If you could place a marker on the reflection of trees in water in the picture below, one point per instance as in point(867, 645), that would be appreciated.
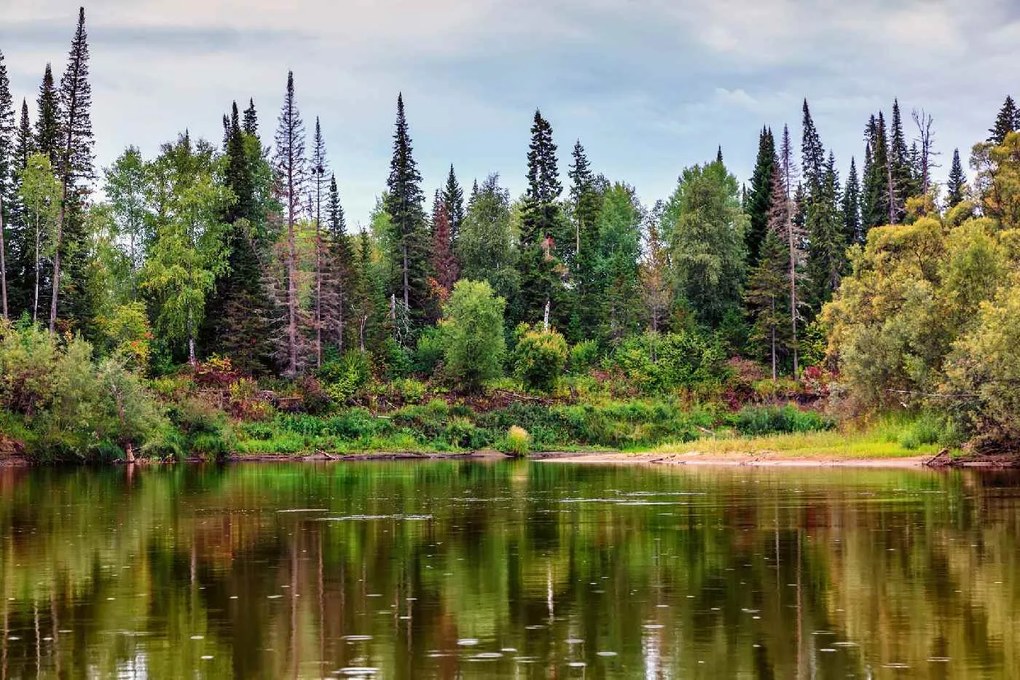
point(756, 575)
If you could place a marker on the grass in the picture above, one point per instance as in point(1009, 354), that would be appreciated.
point(888, 437)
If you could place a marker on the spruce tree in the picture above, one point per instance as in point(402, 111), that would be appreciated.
point(901, 182)
point(812, 154)
point(24, 140)
point(338, 272)
point(827, 239)
point(853, 230)
point(485, 247)
point(540, 224)
point(75, 170)
point(585, 203)
point(241, 312)
point(875, 197)
point(956, 187)
point(404, 205)
point(292, 180)
point(1007, 121)
point(251, 119)
point(783, 220)
point(7, 182)
point(47, 122)
point(453, 197)
point(759, 197)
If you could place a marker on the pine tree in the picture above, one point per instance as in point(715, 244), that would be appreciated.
point(7, 181)
point(241, 312)
point(24, 140)
point(540, 224)
point(404, 205)
point(251, 119)
point(812, 154)
point(338, 272)
point(74, 169)
point(956, 187)
point(853, 230)
point(1007, 121)
point(292, 180)
point(585, 204)
point(47, 123)
point(827, 239)
point(874, 199)
point(453, 197)
point(901, 180)
point(758, 200)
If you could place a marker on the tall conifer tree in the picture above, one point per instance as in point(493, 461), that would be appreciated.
point(902, 172)
point(853, 230)
point(291, 183)
point(453, 197)
point(7, 183)
point(47, 122)
point(404, 205)
point(585, 204)
point(75, 169)
point(540, 225)
point(956, 187)
point(1008, 120)
point(759, 197)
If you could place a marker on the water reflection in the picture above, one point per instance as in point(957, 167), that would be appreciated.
point(508, 570)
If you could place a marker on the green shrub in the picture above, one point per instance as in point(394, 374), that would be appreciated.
point(755, 421)
point(663, 363)
point(539, 359)
point(77, 408)
point(472, 334)
point(583, 357)
point(517, 441)
point(428, 352)
point(342, 378)
point(393, 361)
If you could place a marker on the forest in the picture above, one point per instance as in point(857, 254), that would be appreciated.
point(212, 300)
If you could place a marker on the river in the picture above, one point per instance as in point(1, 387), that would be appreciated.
point(508, 570)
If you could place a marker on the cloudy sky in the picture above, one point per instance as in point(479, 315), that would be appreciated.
point(649, 86)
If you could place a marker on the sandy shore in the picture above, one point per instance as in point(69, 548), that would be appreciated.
point(760, 459)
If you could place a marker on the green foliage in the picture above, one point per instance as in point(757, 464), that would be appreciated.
point(583, 357)
point(666, 363)
point(704, 227)
point(429, 351)
point(344, 376)
point(472, 334)
point(539, 359)
point(76, 407)
point(753, 421)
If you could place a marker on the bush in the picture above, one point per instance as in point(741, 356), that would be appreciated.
point(539, 359)
point(664, 363)
point(583, 357)
point(517, 441)
point(75, 407)
point(204, 427)
point(472, 334)
point(753, 421)
point(343, 377)
point(429, 351)
point(393, 361)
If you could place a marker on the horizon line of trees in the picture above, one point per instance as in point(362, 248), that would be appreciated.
point(241, 248)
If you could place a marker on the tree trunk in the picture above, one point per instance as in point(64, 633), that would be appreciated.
point(793, 292)
point(56, 257)
point(38, 247)
point(291, 280)
point(3, 265)
point(774, 374)
point(407, 303)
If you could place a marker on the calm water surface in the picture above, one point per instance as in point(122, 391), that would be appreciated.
point(496, 570)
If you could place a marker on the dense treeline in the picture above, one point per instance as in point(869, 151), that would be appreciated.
point(888, 286)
